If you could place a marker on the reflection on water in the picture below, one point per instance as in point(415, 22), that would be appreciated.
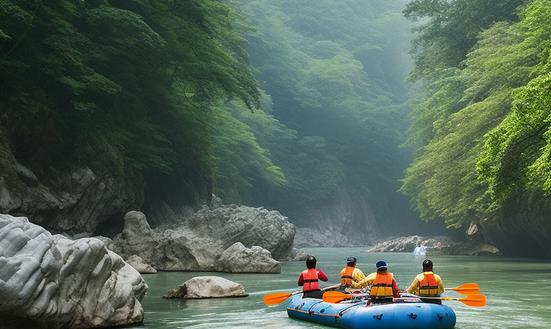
point(518, 291)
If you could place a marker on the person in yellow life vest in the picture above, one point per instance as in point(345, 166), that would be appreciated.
point(383, 285)
point(351, 276)
point(309, 279)
point(427, 284)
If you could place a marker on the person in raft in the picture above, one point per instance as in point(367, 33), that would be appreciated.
point(427, 284)
point(309, 279)
point(383, 285)
point(351, 276)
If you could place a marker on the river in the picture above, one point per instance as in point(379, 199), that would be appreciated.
point(518, 292)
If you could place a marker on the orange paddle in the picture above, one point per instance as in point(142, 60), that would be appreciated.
point(476, 300)
point(467, 289)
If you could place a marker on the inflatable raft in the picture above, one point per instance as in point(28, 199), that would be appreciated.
point(356, 315)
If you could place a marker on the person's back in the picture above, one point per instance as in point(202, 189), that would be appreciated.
point(309, 279)
point(351, 276)
point(427, 284)
point(383, 285)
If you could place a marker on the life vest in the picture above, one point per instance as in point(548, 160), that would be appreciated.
point(310, 280)
point(346, 277)
point(428, 286)
point(382, 285)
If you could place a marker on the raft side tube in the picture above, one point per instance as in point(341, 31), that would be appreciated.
point(356, 315)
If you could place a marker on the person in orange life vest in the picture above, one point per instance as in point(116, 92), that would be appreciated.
point(383, 284)
point(427, 284)
point(350, 275)
point(309, 279)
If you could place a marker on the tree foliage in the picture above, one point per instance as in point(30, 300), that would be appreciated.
point(335, 72)
point(123, 86)
point(483, 124)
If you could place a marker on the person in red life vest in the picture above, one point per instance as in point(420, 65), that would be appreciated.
point(309, 279)
point(427, 284)
point(383, 285)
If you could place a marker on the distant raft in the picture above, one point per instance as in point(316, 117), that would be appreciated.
point(356, 315)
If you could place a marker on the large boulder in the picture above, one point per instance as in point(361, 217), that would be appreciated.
point(199, 241)
point(250, 226)
point(55, 282)
point(139, 265)
point(238, 258)
point(207, 287)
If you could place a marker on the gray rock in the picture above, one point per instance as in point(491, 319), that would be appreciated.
point(139, 265)
point(238, 258)
point(55, 282)
point(440, 245)
point(198, 242)
point(299, 255)
point(207, 287)
point(71, 200)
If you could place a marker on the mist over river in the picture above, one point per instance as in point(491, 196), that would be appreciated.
point(518, 292)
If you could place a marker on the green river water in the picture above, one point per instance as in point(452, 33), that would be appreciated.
point(518, 292)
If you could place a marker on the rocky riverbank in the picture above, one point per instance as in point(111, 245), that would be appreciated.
point(51, 281)
point(228, 238)
point(440, 245)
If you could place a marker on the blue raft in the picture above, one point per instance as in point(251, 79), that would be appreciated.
point(356, 315)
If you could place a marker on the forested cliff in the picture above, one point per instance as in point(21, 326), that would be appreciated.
point(301, 106)
point(115, 105)
point(484, 125)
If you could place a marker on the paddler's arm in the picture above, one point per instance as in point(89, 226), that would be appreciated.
point(414, 286)
point(440, 284)
point(395, 289)
point(357, 277)
point(300, 280)
point(367, 280)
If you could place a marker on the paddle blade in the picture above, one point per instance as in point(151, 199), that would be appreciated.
point(474, 300)
point(467, 289)
point(276, 298)
point(335, 296)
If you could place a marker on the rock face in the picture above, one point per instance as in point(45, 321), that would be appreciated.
point(436, 246)
point(238, 258)
point(207, 287)
point(51, 281)
point(71, 200)
point(313, 237)
point(328, 224)
point(199, 241)
point(522, 229)
point(139, 265)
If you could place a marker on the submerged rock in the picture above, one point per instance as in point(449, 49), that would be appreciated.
point(198, 243)
point(55, 282)
point(207, 287)
point(298, 255)
point(139, 265)
point(440, 245)
point(238, 258)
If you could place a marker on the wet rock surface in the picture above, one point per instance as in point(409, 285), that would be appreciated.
point(207, 287)
point(54, 282)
